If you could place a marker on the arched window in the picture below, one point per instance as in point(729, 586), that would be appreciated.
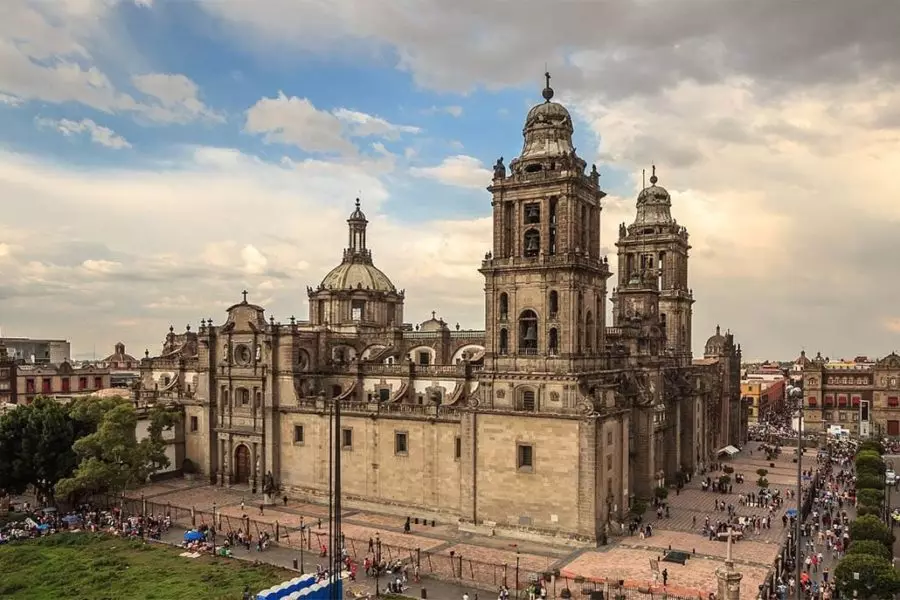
point(553, 344)
point(242, 396)
point(532, 243)
point(528, 332)
point(503, 309)
point(589, 332)
point(527, 401)
point(553, 303)
point(504, 341)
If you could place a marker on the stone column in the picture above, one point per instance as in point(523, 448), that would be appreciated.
point(729, 580)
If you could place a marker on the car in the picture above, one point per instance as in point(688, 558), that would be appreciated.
point(890, 478)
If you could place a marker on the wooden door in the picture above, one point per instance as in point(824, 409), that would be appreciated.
point(242, 464)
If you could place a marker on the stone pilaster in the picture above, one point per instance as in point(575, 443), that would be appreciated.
point(729, 582)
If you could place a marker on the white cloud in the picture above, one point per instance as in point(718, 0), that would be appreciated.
point(461, 170)
point(10, 100)
point(175, 99)
point(293, 120)
point(452, 110)
point(99, 134)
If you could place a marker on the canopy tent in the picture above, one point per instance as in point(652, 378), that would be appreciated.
point(729, 450)
point(193, 536)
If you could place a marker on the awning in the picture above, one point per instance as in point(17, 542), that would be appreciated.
point(729, 450)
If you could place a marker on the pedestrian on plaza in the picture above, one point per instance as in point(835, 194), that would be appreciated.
point(285, 500)
point(665, 575)
point(407, 525)
point(261, 506)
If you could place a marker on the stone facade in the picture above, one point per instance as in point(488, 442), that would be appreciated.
point(548, 422)
point(59, 381)
point(861, 396)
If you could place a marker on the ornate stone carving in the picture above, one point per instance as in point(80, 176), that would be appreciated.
point(501, 394)
point(554, 396)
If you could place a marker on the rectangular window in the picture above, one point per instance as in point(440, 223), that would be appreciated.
point(893, 427)
point(298, 434)
point(609, 438)
point(384, 395)
point(609, 462)
point(346, 439)
point(98, 383)
point(812, 400)
point(525, 458)
point(29, 386)
point(357, 310)
point(46, 386)
point(401, 443)
point(842, 416)
point(893, 401)
point(828, 415)
point(195, 424)
point(424, 358)
point(66, 385)
point(532, 213)
point(457, 448)
point(82, 383)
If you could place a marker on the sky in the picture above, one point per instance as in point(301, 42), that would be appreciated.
point(157, 157)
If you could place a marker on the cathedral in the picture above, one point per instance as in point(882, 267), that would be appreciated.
point(549, 422)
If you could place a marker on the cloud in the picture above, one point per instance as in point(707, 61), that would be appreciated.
point(203, 241)
point(45, 55)
point(98, 134)
point(293, 120)
point(175, 99)
point(452, 110)
point(460, 170)
point(646, 46)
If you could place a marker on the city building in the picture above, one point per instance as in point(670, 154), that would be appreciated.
point(124, 369)
point(860, 395)
point(7, 377)
point(60, 381)
point(763, 393)
point(548, 422)
point(36, 351)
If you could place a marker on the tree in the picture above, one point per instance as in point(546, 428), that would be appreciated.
point(661, 492)
point(36, 447)
point(762, 472)
point(870, 527)
point(111, 458)
point(870, 497)
point(871, 463)
point(870, 547)
point(762, 482)
point(870, 480)
point(871, 445)
point(876, 578)
point(863, 510)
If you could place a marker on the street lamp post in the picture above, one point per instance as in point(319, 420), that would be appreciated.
point(377, 564)
point(517, 572)
point(301, 543)
point(797, 558)
point(887, 496)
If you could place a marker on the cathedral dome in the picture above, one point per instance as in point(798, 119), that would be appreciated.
point(357, 275)
point(654, 204)
point(548, 129)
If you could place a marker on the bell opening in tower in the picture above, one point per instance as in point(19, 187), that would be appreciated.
point(528, 336)
point(532, 243)
point(357, 310)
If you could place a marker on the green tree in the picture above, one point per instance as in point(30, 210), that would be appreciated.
point(661, 492)
point(870, 497)
point(111, 458)
point(870, 527)
point(762, 482)
point(876, 578)
point(762, 472)
point(869, 462)
point(870, 547)
point(870, 481)
point(863, 510)
point(36, 447)
point(871, 445)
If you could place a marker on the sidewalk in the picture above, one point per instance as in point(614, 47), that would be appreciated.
point(284, 557)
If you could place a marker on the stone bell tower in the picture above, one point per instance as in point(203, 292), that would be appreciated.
point(545, 281)
point(656, 244)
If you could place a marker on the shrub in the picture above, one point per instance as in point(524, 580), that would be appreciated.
point(871, 445)
point(870, 547)
point(728, 469)
point(862, 511)
point(870, 481)
point(638, 508)
point(762, 472)
point(724, 480)
point(870, 527)
point(661, 492)
point(870, 497)
point(867, 462)
point(762, 482)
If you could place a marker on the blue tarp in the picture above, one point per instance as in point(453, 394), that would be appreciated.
point(193, 536)
point(70, 519)
point(304, 587)
point(791, 512)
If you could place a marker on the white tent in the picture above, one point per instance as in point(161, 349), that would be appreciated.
point(729, 450)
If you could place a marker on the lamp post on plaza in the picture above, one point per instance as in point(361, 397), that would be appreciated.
point(797, 393)
point(887, 497)
point(378, 563)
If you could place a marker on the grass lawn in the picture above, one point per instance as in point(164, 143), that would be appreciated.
point(86, 566)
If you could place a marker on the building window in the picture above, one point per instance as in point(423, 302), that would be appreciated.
point(531, 243)
point(842, 416)
point(195, 424)
point(401, 443)
point(424, 358)
point(528, 333)
point(66, 385)
point(298, 434)
point(384, 395)
point(98, 383)
point(525, 458)
point(828, 415)
point(29, 386)
point(346, 439)
point(357, 310)
point(609, 438)
point(457, 448)
point(553, 304)
point(504, 342)
point(82, 383)
point(609, 462)
point(242, 395)
point(532, 213)
point(589, 332)
point(553, 343)
point(46, 386)
point(503, 309)
point(527, 401)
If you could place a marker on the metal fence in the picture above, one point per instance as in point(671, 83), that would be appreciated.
point(446, 566)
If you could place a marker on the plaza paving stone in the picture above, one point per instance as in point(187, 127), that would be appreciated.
point(149, 492)
point(752, 552)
